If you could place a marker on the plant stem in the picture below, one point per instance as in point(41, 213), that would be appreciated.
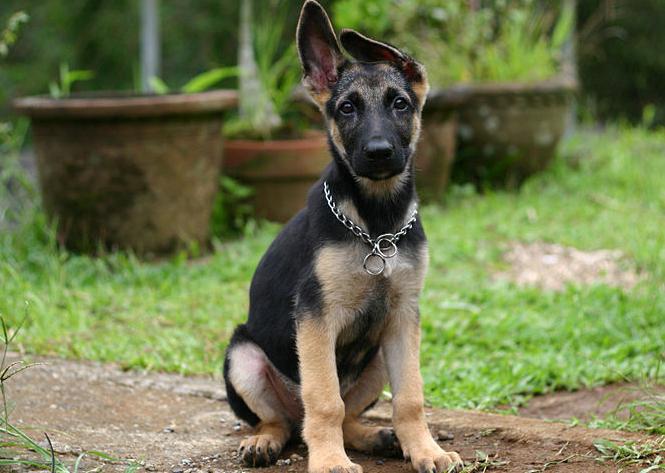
point(255, 105)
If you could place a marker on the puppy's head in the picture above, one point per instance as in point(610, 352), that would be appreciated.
point(372, 104)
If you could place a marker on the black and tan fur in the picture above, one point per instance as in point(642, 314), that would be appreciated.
point(323, 337)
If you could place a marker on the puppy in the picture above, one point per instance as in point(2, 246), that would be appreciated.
point(333, 307)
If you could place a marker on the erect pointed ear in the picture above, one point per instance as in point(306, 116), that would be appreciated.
point(319, 51)
point(365, 49)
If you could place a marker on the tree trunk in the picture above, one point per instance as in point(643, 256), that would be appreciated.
point(255, 105)
point(150, 50)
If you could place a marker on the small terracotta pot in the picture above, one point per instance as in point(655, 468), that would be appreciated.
point(281, 172)
point(132, 172)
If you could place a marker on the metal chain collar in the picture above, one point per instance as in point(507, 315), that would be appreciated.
point(383, 247)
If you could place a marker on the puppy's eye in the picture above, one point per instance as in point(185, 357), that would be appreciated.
point(347, 108)
point(400, 104)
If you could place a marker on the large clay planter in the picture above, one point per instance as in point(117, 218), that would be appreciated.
point(130, 172)
point(509, 131)
point(281, 172)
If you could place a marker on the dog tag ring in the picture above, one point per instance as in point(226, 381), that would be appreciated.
point(385, 246)
point(374, 259)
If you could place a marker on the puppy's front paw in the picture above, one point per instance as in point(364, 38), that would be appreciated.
point(332, 464)
point(433, 459)
point(259, 450)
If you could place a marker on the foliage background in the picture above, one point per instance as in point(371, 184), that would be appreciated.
point(103, 36)
point(620, 63)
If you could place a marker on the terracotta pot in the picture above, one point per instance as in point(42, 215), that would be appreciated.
point(281, 172)
point(435, 154)
point(509, 131)
point(131, 172)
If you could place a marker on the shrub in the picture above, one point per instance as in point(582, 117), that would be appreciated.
point(621, 63)
point(458, 42)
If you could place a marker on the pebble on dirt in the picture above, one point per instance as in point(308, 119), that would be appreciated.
point(444, 435)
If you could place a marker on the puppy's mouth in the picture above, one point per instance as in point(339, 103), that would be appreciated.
point(382, 175)
point(379, 171)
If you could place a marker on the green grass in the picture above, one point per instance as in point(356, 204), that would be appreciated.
point(645, 414)
point(17, 447)
point(647, 454)
point(485, 342)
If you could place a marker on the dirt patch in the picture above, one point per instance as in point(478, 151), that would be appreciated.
point(552, 267)
point(176, 424)
point(586, 404)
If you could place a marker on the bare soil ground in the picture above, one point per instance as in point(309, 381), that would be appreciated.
point(552, 267)
point(585, 404)
point(175, 424)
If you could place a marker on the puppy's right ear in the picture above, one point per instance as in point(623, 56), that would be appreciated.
point(320, 54)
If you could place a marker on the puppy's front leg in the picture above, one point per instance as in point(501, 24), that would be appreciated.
point(324, 408)
point(401, 349)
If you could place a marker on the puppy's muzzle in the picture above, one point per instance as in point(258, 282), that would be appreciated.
point(378, 149)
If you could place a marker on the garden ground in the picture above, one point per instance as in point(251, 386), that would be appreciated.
point(168, 423)
point(491, 338)
point(486, 339)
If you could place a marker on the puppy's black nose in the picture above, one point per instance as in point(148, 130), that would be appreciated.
point(378, 148)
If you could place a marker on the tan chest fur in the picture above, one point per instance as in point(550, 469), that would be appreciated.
point(348, 289)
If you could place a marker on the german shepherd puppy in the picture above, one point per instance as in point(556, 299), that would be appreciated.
point(334, 305)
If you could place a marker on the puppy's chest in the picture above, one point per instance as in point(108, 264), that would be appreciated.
point(358, 305)
point(347, 288)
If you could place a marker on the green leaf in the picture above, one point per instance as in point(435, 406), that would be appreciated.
point(604, 446)
point(158, 85)
point(80, 75)
point(78, 462)
point(132, 468)
point(206, 80)
point(54, 90)
point(563, 27)
point(9, 35)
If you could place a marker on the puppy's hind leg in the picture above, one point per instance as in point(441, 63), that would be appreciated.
point(259, 396)
point(362, 395)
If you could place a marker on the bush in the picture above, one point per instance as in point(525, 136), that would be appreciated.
point(103, 37)
point(508, 40)
point(621, 62)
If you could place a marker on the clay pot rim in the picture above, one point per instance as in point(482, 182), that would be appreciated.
point(460, 94)
point(313, 139)
point(119, 105)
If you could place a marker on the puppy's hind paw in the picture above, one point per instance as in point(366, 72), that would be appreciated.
point(386, 443)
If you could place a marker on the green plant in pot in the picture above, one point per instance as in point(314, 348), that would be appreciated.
point(269, 145)
point(129, 171)
point(498, 66)
point(16, 189)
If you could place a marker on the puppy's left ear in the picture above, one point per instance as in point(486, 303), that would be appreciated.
point(365, 49)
